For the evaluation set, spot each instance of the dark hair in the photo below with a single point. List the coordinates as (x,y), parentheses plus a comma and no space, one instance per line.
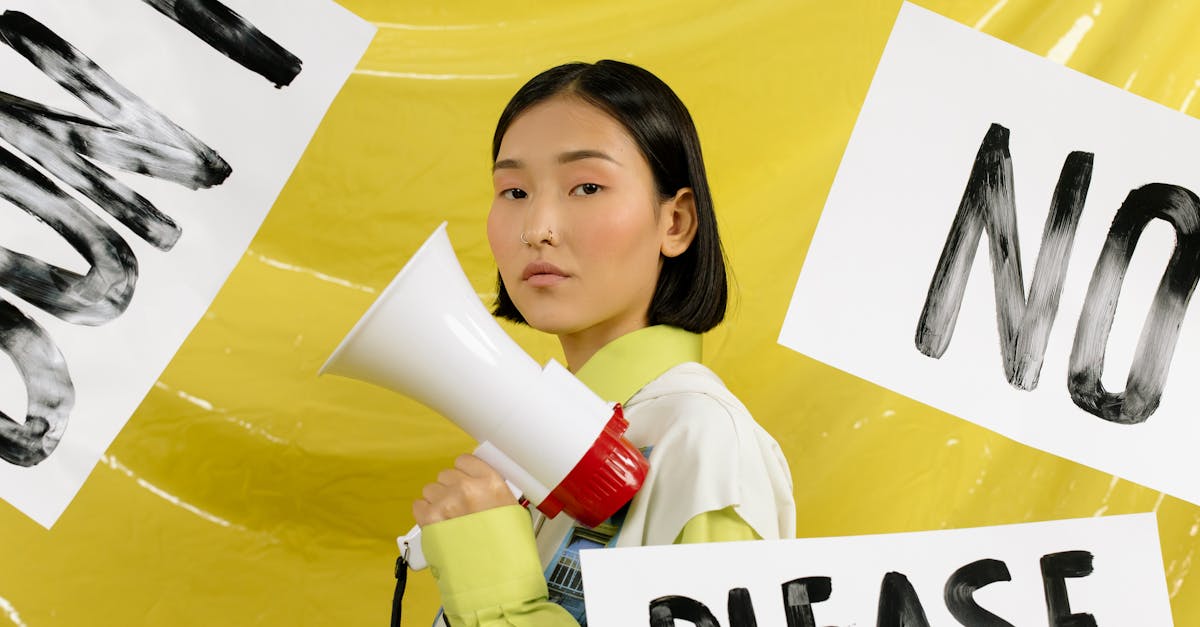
(692,288)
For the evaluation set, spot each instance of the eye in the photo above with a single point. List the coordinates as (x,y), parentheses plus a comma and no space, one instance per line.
(514,193)
(585,189)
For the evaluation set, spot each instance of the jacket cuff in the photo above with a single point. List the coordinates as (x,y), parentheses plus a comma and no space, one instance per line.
(484,560)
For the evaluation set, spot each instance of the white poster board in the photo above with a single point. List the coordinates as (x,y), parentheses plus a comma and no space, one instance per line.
(213,104)
(1110,568)
(963,134)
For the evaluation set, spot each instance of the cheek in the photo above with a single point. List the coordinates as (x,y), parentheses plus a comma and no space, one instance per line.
(628,233)
(501,237)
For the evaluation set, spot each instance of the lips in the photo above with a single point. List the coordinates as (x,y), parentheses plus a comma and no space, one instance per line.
(542,274)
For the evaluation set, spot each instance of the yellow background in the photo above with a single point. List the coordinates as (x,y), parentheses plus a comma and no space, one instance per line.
(245,491)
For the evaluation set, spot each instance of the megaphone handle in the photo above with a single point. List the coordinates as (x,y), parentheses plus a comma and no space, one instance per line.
(410,543)
(410,548)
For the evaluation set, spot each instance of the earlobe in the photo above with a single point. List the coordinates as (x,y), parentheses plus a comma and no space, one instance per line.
(680,222)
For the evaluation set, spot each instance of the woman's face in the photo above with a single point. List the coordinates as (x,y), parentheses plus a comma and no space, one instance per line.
(570,181)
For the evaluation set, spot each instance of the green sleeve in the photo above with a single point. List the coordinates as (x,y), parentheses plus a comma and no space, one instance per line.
(487,569)
(722,525)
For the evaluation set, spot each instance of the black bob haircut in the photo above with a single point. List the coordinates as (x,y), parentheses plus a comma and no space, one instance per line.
(692,288)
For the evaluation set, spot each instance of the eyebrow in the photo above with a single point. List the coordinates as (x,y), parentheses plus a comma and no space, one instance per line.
(566,157)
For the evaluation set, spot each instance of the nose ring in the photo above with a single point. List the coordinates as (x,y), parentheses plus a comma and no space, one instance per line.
(549,239)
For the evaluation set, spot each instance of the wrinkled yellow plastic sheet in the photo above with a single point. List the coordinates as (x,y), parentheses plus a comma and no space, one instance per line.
(245,491)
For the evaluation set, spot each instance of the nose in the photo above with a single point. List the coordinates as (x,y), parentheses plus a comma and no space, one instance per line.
(541,221)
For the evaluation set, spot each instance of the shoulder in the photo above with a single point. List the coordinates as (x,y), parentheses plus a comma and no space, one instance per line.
(690,404)
(693,386)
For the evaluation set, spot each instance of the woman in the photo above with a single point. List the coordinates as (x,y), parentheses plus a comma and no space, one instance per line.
(603,230)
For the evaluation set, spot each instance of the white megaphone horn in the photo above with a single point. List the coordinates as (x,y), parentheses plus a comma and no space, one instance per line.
(429,337)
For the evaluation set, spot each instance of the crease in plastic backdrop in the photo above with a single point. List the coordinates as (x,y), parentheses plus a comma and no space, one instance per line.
(246,491)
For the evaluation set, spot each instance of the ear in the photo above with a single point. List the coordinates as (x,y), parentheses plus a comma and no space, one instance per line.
(677,219)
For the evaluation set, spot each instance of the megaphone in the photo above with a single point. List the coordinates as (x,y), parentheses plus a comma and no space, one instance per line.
(429,337)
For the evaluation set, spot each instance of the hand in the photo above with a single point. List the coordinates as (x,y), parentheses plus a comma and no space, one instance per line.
(471,486)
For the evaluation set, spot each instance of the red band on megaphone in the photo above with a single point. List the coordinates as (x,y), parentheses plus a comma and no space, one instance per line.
(605,479)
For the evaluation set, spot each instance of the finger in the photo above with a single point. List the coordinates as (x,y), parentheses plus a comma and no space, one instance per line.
(434,492)
(481,482)
(441,504)
(484,476)
(424,513)
(475,467)
(451,477)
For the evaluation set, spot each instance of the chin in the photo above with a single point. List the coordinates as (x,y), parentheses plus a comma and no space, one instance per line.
(550,322)
(547,315)
(553,327)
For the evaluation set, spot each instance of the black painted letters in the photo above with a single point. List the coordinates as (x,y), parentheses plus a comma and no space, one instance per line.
(987,206)
(131,136)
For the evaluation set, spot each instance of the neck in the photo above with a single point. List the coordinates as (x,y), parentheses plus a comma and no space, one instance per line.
(578,347)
